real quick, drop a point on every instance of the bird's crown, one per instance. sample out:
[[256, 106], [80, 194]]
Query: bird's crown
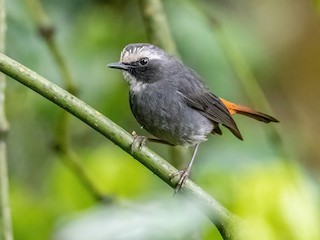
[[134, 52]]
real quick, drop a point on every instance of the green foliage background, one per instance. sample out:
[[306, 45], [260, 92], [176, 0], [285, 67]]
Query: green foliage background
[[278, 196]]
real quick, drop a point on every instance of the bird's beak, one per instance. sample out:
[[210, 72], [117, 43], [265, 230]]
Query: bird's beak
[[118, 65]]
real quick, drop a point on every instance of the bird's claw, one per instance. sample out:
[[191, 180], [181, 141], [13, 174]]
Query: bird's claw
[[138, 142], [184, 174]]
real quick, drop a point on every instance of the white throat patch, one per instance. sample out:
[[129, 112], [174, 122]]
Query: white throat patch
[[135, 86]]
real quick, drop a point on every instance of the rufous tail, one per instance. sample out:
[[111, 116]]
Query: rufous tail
[[234, 108]]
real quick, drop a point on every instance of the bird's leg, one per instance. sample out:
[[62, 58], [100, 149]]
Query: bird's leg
[[185, 172], [141, 141]]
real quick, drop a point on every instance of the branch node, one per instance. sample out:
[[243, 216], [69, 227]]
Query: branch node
[[46, 32]]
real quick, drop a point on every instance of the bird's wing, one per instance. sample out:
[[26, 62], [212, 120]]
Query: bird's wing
[[198, 97]]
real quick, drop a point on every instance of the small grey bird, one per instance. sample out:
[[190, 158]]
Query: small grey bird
[[172, 102]]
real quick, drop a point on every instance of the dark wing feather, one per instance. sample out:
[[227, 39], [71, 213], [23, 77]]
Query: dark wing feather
[[197, 96]]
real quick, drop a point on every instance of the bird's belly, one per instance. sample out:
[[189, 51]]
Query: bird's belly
[[172, 121]]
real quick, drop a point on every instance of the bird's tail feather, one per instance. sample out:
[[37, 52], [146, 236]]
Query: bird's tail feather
[[234, 108]]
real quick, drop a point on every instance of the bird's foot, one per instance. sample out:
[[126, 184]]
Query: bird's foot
[[184, 174], [138, 142]]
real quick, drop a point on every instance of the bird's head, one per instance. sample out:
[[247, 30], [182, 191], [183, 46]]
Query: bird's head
[[143, 63]]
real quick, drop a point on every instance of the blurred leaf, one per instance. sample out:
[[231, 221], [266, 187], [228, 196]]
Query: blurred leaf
[[153, 219]]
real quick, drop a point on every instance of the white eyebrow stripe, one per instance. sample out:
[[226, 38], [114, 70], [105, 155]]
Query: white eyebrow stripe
[[134, 54]]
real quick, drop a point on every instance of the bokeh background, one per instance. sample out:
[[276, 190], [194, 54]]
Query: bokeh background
[[271, 183]]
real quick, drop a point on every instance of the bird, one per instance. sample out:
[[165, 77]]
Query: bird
[[172, 102]]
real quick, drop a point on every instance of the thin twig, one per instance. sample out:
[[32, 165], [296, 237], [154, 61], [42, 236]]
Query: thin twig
[[156, 24], [47, 32], [158, 32], [61, 142], [5, 217], [228, 225], [245, 75]]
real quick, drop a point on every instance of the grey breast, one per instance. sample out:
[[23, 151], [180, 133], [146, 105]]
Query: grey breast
[[161, 110]]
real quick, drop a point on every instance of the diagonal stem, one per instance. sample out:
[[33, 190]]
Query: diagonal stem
[[227, 224]]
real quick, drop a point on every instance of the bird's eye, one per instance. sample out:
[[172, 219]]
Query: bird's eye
[[143, 61]]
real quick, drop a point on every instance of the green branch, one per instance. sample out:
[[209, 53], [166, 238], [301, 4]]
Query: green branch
[[227, 224]]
